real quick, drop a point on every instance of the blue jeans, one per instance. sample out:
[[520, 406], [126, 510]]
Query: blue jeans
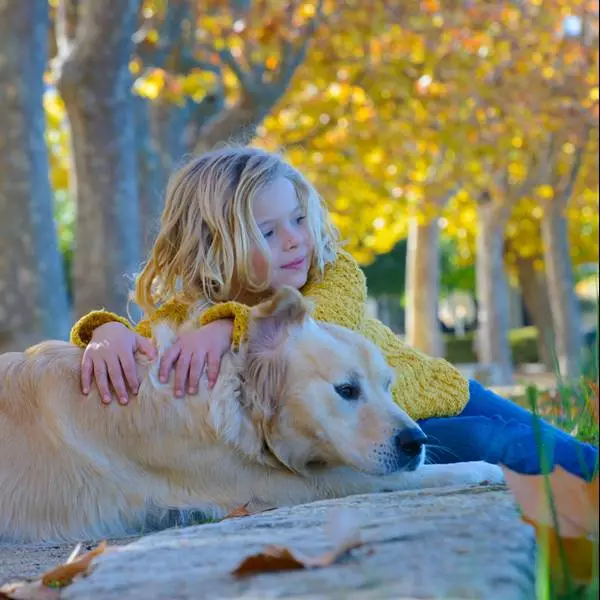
[[496, 430]]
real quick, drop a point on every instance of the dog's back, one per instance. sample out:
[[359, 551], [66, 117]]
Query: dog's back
[[54, 481], [74, 468]]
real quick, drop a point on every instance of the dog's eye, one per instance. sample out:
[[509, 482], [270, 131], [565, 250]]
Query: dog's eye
[[348, 391]]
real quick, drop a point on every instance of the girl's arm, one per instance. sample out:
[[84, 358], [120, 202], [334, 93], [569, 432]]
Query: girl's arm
[[81, 333]]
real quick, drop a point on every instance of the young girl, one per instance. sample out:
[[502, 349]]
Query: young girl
[[239, 223]]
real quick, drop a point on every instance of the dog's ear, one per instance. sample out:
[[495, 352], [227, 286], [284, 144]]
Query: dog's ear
[[265, 369], [270, 325], [271, 321]]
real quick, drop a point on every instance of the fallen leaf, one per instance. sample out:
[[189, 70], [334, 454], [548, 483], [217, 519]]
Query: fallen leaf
[[28, 590], [48, 586], [241, 511], [278, 558], [272, 558], [575, 503], [578, 553], [65, 573]]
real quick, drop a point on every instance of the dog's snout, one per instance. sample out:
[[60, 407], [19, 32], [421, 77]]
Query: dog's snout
[[410, 441]]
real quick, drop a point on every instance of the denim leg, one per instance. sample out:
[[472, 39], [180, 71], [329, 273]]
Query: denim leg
[[496, 430]]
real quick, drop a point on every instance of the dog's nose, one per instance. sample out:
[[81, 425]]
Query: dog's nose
[[410, 441]]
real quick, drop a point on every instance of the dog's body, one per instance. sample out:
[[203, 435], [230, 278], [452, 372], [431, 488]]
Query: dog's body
[[302, 412]]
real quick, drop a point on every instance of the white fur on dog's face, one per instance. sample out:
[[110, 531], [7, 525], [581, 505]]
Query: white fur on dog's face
[[326, 393]]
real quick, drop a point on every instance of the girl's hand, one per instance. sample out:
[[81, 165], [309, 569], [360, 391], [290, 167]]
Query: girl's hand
[[195, 351], [110, 356]]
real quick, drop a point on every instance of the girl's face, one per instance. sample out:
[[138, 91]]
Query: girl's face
[[282, 222]]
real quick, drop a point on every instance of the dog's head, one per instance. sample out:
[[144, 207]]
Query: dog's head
[[320, 395]]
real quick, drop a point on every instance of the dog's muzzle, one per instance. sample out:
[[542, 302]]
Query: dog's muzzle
[[410, 442], [405, 451]]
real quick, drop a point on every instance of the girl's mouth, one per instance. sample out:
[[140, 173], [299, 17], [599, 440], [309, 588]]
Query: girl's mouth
[[294, 265]]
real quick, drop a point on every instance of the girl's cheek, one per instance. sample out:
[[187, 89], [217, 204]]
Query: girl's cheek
[[260, 265], [308, 240]]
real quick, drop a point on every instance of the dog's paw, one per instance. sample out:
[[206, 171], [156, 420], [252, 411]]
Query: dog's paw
[[482, 473], [462, 474]]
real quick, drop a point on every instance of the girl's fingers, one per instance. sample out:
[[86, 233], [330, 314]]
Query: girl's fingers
[[116, 379], [181, 373], [196, 367], [102, 381], [87, 368], [129, 369], [213, 364], [166, 362], [145, 345]]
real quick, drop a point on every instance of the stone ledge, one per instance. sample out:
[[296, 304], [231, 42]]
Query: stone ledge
[[448, 543]]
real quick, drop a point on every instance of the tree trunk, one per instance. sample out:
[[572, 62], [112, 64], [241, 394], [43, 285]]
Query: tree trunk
[[235, 125], [422, 288], [534, 287], [492, 294], [33, 298], [168, 124], [151, 175], [561, 285], [95, 83]]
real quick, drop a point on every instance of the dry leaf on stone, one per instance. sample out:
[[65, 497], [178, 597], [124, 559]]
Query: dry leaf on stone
[[278, 558], [48, 586], [28, 590], [576, 509], [272, 558], [64, 574], [240, 511]]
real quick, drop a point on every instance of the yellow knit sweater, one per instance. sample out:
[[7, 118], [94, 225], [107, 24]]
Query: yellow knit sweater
[[425, 387]]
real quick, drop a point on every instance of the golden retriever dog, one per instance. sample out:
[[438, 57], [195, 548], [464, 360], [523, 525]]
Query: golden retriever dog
[[301, 412]]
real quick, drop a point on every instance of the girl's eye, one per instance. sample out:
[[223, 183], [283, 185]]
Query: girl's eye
[[300, 219], [268, 234]]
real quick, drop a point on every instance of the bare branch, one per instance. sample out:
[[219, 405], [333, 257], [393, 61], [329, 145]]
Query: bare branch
[[565, 194], [243, 76], [323, 128], [540, 170], [169, 33], [66, 26], [293, 58], [442, 200], [258, 96]]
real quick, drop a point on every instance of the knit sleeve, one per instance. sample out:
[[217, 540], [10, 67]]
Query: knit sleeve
[[339, 298], [81, 333], [174, 311], [229, 310]]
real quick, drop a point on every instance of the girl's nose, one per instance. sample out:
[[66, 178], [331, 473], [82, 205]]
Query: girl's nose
[[291, 239]]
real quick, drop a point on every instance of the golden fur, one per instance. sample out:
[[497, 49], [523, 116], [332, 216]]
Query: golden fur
[[274, 431]]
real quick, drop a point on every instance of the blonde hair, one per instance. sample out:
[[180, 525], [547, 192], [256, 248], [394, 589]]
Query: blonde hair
[[208, 230]]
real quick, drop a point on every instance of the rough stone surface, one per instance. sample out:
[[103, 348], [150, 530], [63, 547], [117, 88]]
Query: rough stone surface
[[29, 561], [449, 543]]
